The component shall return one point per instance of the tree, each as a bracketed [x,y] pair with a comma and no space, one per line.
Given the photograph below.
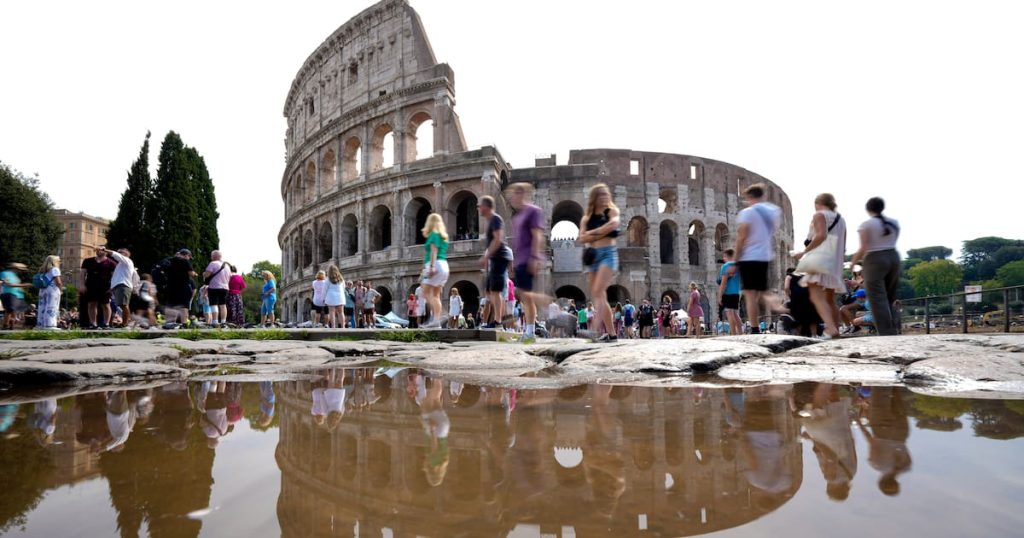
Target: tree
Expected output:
[909,264]
[126,229]
[977,256]
[206,203]
[265,265]
[930,253]
[28,229]
[936,277]
[1011,274]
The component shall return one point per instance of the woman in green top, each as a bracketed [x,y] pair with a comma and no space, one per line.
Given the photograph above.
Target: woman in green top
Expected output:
[435,268]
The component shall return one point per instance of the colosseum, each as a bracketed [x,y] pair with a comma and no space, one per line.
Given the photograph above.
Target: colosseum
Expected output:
[374,145]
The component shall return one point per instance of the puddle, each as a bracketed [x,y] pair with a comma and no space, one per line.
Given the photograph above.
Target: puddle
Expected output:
[393,452]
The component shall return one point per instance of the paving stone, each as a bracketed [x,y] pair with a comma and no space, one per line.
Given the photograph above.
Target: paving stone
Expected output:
[101,354]
[670,355]
[25,373]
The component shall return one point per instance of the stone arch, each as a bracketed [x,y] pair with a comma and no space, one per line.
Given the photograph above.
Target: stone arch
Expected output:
[721,240]
[307,309]
[351,159]
[349,236]
[572,292]
[668,200]
[309,182]
[383,138]
[328,172]
[420,141]
[668,231]
[296,254]
[470,295]
[466,219]
[380,228]
[307,248]
[637,232]
[568,211]
[617,294]
[326,240]
[384,305]
[676,301]
[695,237]
[416,213]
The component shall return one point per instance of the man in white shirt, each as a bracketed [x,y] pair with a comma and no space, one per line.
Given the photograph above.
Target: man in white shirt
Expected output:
[123,282]
[219,274]
[755,238]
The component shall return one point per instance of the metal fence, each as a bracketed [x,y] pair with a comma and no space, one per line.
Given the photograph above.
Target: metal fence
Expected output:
[965,319]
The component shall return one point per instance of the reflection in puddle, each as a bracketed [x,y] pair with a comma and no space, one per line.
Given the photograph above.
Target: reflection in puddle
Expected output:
[396,452]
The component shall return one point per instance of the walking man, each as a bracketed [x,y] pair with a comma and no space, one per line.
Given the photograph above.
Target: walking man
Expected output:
[754,240]
[729,291]
[217,276]
[97,273]
[494,260]
[528,252]
[122,283]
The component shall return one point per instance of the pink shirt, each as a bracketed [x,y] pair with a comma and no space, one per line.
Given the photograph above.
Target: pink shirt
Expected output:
[511,291]
[220,281]
[236,284]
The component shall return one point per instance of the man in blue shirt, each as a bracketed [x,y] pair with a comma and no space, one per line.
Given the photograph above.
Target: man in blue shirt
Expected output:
[729,292]
[628,317]
[12,295]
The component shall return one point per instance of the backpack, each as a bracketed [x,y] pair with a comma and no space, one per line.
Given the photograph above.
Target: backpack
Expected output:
[647,311]
[40,281]
[159,272]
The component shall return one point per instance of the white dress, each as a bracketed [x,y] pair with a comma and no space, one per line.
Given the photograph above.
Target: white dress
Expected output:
[833,280]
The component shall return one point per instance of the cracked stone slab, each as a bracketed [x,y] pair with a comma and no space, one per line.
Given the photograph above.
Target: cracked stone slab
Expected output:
[299,354]
[193,346]
[207,360]
[672,355]
[480,357]
[981,372]
[253,347]
[24,373]
[49,345]
[344,349]
[101,354]
[825,369]
[904,349]
[776,343]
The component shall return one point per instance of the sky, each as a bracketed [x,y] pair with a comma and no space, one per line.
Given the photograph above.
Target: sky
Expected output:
[918,102]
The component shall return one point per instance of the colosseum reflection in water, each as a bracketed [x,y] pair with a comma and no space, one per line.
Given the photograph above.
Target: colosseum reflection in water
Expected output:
[374,146]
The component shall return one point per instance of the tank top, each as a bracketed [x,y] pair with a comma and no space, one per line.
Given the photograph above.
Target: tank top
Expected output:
[600,219]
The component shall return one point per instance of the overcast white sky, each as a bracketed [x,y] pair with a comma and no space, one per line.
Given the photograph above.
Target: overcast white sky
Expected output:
[919,102]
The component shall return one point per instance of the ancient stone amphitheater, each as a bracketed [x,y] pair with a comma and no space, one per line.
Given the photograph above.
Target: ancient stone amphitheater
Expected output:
[374,146]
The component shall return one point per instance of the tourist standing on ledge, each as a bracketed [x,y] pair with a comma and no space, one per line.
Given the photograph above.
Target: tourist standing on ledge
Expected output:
[334,298]
[878,237]
[370,298]
[495,261]
[435,268]
[320,309]
[177,292]
[729,291]
[269,298]
[410,309]
[216,276]
[827,238]
[754,249]
[359,293]
[123,282]
[49,294]
[96,275]
[600,227]
[527,251]
[454,308]
[13,296]
[695,325]
[236,308]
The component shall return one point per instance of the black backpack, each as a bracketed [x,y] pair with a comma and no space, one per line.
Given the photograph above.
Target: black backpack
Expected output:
[159,272]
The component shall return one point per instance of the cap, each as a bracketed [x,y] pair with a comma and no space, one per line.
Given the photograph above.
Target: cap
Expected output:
[18,266]
[185,252]
[860,294]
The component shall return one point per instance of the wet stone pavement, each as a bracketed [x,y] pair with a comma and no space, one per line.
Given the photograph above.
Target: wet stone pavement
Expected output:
[402,451]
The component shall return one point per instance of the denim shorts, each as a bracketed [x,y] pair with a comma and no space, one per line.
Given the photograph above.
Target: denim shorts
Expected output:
[608,256]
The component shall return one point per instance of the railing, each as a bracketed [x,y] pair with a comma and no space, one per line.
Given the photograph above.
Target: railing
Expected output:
[965,319]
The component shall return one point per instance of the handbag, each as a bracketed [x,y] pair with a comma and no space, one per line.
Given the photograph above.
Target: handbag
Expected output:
[589,256]
[822,259]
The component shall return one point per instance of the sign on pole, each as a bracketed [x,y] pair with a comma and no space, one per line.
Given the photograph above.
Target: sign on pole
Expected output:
[975,292]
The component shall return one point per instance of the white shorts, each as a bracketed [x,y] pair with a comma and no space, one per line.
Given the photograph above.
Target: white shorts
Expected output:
[440,274]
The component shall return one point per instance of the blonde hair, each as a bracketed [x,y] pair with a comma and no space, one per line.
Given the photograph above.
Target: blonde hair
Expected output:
[827,200]
[455,291]
[592,198]
[522,186]
[49,263]
[334,274]
[435,224]
[693,285]
[267,275]
[320,275]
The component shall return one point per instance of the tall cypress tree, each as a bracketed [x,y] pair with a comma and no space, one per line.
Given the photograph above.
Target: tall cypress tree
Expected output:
[206,204]
[172,216]
[28,229]
[128,229]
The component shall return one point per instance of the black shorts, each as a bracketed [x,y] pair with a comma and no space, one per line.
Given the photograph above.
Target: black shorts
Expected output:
[646,321]
[217,297]
[98,294]
[13,304]
[496,277]
[754,275]
[177,298]
[322,310]
[523,279]
[731,302]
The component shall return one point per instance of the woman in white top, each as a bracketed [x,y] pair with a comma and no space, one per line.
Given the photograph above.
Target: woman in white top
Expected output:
[454,308]
[878,237]
[319,290]
[824,286]
[334,298]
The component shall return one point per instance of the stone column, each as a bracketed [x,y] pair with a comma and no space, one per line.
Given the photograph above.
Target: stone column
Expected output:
[319,172]
[366,147]
[363,228]
[335,235]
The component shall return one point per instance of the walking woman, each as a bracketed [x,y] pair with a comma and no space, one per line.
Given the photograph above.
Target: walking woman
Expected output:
[435,267]
[321,312]
[236,310]
[334,298]
[599,228]
[695,311]
[454,308]
[828,233]
[269,298]
[49,295]
[878,237]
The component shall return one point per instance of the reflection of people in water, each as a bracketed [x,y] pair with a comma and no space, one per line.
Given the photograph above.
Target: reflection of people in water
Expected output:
[172,415]
[212,402]
[603,463]
[764,441]
[120,419]
[887,432]
[43,420]
[92,427]
[826,422]
[334,398]
[268,401]
[436,425]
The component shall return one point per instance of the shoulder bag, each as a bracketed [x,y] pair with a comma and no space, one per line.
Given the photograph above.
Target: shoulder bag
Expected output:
[822,259]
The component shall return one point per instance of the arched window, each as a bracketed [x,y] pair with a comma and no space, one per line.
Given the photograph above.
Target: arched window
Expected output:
[380,228]
[565,220]
[416,214]
[326,243]
[572,292]
[668,200]
[420,143]
[309,182]
[469,293]
[349,236]
[307,248]
[617,294]
[380,159]
[351,160]
[637,232]
[695,236]
[721,241]
[467,220]
[384,304]
[667,230]
[328,172]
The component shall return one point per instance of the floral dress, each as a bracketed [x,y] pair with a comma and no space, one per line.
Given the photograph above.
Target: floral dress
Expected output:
[49,301]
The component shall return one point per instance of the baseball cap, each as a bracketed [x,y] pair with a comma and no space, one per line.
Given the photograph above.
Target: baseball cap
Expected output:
[185,252]
[860,294]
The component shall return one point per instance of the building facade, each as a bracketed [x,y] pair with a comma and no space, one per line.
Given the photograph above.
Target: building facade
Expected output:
[82,234]
[374,146]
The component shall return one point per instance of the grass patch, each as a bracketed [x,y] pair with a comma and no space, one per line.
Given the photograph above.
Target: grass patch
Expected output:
[407,336]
